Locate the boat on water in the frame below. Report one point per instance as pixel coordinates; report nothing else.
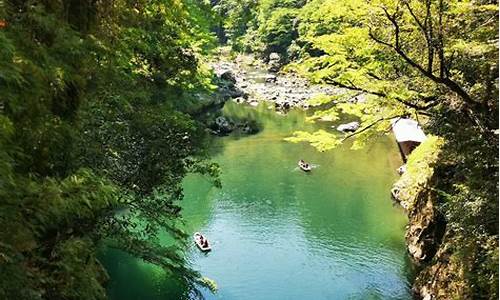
(202, 242)
(306, 167)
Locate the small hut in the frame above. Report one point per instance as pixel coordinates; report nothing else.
(408, 135)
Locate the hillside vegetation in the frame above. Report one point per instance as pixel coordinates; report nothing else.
(93, 138)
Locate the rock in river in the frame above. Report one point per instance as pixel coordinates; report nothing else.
(229, 76)
(348, 127)
(271, 78)
(223, 125)
(274, 56)
(274, 62)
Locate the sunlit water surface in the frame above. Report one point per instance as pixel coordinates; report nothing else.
(280, 233)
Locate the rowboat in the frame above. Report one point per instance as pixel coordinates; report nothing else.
(199, 240)
(304, 166)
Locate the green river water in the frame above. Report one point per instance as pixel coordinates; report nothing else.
(280, 233)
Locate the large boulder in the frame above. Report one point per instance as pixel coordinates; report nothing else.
(228, 75)
(248, 127)
(236, 93)
(223, 125)
(274, 62)
(348, 127)
(274, 56)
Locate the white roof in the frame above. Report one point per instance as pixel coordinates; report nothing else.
(407, 130)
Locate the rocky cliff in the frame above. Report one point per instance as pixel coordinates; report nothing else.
(440, 274)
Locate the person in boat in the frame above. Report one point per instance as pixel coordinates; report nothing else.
(205, 243)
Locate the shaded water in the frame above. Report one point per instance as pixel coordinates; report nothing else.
(280, 233)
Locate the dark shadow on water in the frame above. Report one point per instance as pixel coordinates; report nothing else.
(135, 279)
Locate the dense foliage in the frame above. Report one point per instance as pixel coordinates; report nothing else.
(93, 140)
(433, 60)
(259, 26)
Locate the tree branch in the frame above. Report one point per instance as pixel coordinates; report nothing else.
(452, 85)
(426, 33)
(440, 43)
(352, 87)
(369, 126)
(422, 27)
(428, 16)
(392, 18)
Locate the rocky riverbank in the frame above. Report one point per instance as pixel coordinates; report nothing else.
(245, 79)
(440, 275)
(255, 81)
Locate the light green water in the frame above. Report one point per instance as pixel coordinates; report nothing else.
(279, 233)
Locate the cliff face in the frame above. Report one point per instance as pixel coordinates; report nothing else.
(425, 228)
(415, 193)
(443, 277)
(440, 275)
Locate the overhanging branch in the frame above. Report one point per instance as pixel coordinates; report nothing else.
(430, 103)
(370, 125)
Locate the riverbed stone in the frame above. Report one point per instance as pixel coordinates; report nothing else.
(223, 125)
(348, 127)
(271, 78)
(228, 75)
(274, 56)
(274, 62)
(288, 90)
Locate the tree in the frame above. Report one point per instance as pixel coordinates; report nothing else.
(93, 138)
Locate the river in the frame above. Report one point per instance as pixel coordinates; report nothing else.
(280, 233)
